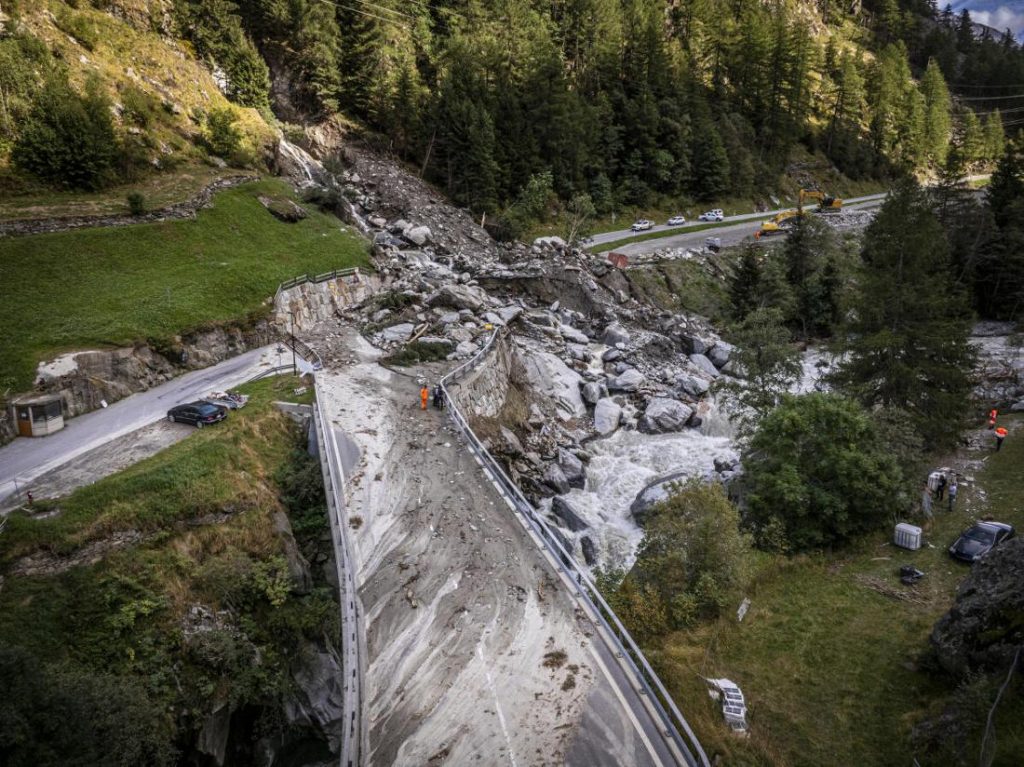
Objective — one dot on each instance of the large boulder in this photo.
(398, 333)
(418, 235)
(720, 353)
(607, 416)
(663, 414)
(593, 391)
(704, 364)
(629, 380)
(615, 334)
(569, 333)
(562, 509)
(555, 479)
(692, 384)
(653, 493)
(553, 380)
(572, 468)
(693, 344)
(985, 626)
(589, 550)
(458, 297)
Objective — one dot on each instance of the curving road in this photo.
(27, 458)
(870, 200)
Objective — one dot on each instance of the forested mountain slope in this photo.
(628, 101)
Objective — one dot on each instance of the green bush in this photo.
(68, 139)
(417, 352)
(818, 470)
(136, 203)
(222, 137)
(139, 107)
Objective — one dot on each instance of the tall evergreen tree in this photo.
(936, 117)
(907, 345)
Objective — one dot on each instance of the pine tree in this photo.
(745, 283)
(995, 137)
(936, 114)
(907, 346)
(971, 140)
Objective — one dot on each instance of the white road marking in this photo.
(497, 705)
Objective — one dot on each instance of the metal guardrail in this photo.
(353, 637)
(304, 350)
(315, 278)
(276, 370)
(625, 646)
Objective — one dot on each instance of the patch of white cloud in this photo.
(1002, 18)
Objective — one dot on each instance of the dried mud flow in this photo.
(477, 652)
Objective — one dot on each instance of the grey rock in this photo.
(570, 333)
(398, 226)
(719, 354)
(607, 415)
(562, 509)
(449, 318)
(983, 630)
(655, 491)
(555, 479)
(549, 242)
(589, 550)
(572, 468)
(436, 340)
(510, 441)
(466, 349)
(1017, 407)
(629, 381)
(664, 415)
(401, 332)
(615, 334)
(381, 315)
(611, 355)
(493, 319)
(462, 297)
(693, 344)
(704, 364)
(592, 392)
(692, 384)
(553, 380)
(418, 235)
(509, 313)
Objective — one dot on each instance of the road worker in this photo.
(992, 418)
(1000, 436)
(424, 395)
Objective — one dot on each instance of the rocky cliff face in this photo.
(985, 627)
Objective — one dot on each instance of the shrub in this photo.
(68, 139)
(222, 137)
(136, 203)
(817, 469)
(418, 351)
(79, 27)
(139, 107)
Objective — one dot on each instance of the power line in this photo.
(386, 19)
(990, 98)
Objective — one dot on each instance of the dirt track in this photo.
(476, 653)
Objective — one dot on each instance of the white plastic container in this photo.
(907, 536)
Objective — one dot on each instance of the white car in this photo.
(713, 215)
(677, 220)
(642, 225)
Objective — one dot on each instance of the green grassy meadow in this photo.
(100, 287)
(833, 655)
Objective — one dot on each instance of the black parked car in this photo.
(197, 413)
(978, 540)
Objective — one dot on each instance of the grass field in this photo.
(833, 656)
(99, 287)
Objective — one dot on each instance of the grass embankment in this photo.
(158, 190)
(683, 285)
(99, 287)
(205, 509)
(833, 662)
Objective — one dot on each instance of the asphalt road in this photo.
(605, 237)
(26, 458)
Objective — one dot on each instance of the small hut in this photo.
(38, 414)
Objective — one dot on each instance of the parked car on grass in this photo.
(642, 225)
(677, 221)
(713, 215)
(978, 540)
(199, 413)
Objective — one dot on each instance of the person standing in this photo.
(424, 394)
(992, 418)
(1000, 436)
(952, 490)
(940, 487)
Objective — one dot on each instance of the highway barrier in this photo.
(675, 725)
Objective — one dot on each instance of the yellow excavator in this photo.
(780, 222)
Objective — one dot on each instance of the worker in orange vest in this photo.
(992, 418)
(424, 393)
(1000, 436)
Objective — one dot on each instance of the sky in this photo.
(1000, 14)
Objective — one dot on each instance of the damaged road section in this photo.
(476, 651)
